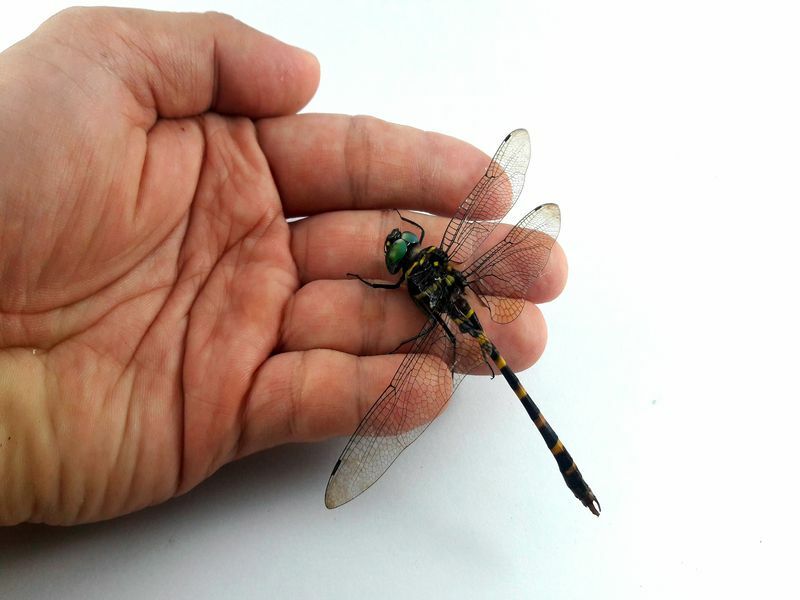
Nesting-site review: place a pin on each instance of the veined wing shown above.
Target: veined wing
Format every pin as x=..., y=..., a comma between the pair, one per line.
x=415, y=396
x=504, y=273
x=494, y=194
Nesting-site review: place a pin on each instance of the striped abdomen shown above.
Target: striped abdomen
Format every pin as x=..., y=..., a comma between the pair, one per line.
x=567, y=467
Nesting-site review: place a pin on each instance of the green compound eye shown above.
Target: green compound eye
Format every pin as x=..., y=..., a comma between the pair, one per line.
x=395, y=254
x=410, y=237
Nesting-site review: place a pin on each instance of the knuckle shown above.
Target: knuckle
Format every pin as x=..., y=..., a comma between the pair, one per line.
x=358, y=155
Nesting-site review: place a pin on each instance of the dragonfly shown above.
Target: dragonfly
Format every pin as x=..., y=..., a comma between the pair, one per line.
x=473, y=264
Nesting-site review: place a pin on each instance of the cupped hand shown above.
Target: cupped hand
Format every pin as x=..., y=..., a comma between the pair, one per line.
x=159, y=316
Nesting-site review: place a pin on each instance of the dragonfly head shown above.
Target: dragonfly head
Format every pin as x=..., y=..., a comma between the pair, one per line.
x=396, y=248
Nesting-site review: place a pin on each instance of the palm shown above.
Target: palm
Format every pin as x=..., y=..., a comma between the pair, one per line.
x=159, y=315
x=170, y=311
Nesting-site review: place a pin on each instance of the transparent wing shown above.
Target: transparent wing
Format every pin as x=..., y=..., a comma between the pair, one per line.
x=494, y=194
x=416, y=395
x=502, y=275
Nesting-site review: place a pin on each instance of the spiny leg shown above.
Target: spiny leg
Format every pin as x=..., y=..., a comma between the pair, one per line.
x=468, y=323
x=392, y=286
x=450, y=335
x=483, y=343
x=414, y=223
x=377, y=286
x=486, y=358
x=424, y=332
x=483, y=302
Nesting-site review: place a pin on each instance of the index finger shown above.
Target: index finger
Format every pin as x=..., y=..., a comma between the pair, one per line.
x=325, y=163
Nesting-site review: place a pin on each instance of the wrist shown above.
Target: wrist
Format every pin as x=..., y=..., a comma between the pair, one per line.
x=28, y=464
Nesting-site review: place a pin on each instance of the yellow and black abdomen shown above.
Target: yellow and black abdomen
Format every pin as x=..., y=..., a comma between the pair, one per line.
x=566, y=465
x=439, y=288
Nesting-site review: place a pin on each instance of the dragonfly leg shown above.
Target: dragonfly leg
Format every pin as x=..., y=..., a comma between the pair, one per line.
x=414, y=223
x=485, y=346
x=422, y=333
x=489, y=363
x=379, y=286
x=483, y=302
x=451, y=336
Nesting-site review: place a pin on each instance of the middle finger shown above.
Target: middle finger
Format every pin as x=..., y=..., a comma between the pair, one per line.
x=330, y=245
x=350, y=317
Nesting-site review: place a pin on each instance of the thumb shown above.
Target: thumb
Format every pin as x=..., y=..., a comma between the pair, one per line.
x=183, y=64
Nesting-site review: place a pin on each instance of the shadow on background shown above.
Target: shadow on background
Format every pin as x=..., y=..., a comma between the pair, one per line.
x=260, y=483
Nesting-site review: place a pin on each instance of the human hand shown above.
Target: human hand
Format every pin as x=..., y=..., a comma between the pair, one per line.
x=158, y=315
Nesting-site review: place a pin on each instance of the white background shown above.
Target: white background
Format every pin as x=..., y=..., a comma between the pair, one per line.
x=669, y=134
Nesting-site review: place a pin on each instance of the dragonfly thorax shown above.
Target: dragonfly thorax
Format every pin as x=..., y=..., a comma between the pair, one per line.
x=432, y=281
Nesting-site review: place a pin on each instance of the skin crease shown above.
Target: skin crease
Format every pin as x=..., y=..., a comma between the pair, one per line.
x=158, y=315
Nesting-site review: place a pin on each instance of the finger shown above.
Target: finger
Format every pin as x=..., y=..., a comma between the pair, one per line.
x=303, y=396
x=313, y=395
x=348, y=316
x=330, y=245
x=334, y=162
x=182, y=64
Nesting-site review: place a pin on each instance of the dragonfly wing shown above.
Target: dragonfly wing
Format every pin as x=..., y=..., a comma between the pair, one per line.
x=493, y=196
x=504, y=273
x=419, y=390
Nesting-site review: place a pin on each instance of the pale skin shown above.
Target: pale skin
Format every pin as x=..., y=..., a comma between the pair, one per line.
x=158, y=315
